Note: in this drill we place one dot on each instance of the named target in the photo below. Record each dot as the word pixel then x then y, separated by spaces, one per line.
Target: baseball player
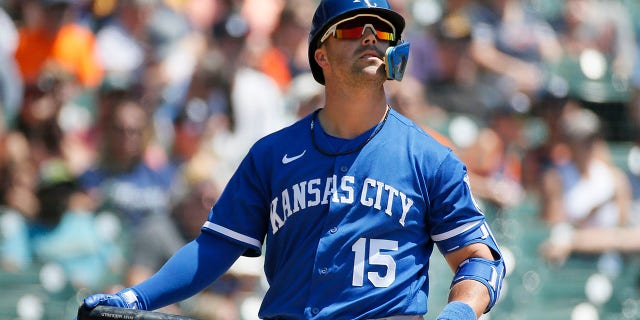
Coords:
pixel 347 203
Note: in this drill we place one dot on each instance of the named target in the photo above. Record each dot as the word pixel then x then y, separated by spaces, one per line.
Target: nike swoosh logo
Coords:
pixel 286 159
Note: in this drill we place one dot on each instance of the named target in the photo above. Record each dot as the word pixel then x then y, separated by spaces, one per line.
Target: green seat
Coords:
pixel 619 153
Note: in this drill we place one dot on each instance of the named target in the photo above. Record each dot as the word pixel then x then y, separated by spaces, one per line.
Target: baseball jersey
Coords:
pixel 346 236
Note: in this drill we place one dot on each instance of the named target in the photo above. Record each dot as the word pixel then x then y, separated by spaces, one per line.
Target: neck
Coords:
pixel 349 113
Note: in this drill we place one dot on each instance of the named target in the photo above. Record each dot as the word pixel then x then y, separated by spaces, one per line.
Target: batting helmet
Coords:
pixel 331 11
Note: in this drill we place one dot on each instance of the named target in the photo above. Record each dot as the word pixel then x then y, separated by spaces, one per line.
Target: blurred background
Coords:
pixel 121 122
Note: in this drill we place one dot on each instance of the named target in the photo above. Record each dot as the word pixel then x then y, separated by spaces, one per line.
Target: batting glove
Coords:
pixel 457 310
pixel 126 298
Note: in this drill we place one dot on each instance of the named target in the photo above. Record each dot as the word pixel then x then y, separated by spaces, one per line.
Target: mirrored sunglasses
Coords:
pixel 354 27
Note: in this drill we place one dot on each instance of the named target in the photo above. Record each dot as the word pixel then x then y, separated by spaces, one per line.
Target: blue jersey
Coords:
pixel 347 236
pixel 135 194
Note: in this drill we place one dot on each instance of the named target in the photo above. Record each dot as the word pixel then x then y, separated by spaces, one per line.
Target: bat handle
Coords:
pixel 115 313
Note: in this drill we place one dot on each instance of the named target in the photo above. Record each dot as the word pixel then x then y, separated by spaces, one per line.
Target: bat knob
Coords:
pixel 84 313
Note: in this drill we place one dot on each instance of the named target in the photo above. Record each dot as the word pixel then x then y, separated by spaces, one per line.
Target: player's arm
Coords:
pixel 187 272
pixel 463 236
pixel 471 292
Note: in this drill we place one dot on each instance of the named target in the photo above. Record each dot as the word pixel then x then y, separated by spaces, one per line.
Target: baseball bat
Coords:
pixel 113 313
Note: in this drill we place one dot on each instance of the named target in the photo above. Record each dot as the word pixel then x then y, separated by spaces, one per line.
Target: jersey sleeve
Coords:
pixel 455 219
pixel 241 212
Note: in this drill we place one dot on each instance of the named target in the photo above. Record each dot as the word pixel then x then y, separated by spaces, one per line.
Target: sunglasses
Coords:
pixel 354 27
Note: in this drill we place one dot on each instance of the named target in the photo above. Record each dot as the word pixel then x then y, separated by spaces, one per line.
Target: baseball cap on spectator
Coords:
pixel 581 125
pixel 165 28
pixel 194 116
pixel 454 26
pixel 234 26
pixel 304 94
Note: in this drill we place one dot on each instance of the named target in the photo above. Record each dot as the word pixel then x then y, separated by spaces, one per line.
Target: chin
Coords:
pixel 376 71
pixel 369 75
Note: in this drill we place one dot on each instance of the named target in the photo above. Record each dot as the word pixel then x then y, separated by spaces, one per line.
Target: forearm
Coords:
pixel 477 281
pixel 471 292
pixel 597 240
pixel 188 271
pixel 590 241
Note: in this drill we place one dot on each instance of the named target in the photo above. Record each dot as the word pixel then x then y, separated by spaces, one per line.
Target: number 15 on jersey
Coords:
pixel 376 256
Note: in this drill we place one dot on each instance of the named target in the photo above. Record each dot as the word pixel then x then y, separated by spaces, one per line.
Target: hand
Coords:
pixel 555 252
pixel 558 247
pixel 123 299
pixel 112 300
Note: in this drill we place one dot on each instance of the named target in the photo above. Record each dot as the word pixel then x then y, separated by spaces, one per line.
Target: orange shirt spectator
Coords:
pixel 72 47
pixel 274 64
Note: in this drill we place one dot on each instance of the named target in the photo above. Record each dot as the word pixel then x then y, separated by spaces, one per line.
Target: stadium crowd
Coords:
pixel 121 121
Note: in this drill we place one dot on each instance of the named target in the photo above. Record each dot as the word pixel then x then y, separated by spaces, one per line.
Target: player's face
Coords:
pixel 355 49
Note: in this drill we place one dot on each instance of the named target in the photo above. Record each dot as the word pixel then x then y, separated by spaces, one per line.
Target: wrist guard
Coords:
pixel 488 272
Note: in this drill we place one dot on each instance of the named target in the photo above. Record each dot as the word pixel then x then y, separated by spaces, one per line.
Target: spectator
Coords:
pixel 18 201
pixel 455 72
pixel 494 159
pixel 510 43
pixel 120 177
pixel 262 18
pixel 155 46
pixel 38 118
pixel 45 219
pixel 14 241
pixel 53 125
pixel 204 114
pixel 597 239
pixel 121 182
pixel 114 89
pixel 409 98
pixel 66 232
pixel 175 49
pixel 549 147
pixel 440 59
pixel 304 95
pixel 208 97
pixel 598 47
pixel 281 60
pixel 11 86
pixel 121 42
pixel 634 105
pixel 290 36
pixel 584 190
pixel 50 35
pixel 258 105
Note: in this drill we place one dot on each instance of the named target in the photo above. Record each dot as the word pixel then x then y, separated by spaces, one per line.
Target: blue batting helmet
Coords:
pixel 331 11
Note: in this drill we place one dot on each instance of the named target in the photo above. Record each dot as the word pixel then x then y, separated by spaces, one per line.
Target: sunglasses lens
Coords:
pixel 357 32
pixel 364 20
pixel 382 35
pixel 353 33
pixel 354 29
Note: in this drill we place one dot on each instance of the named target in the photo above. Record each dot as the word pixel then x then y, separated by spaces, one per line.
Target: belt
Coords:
pixel 412 317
